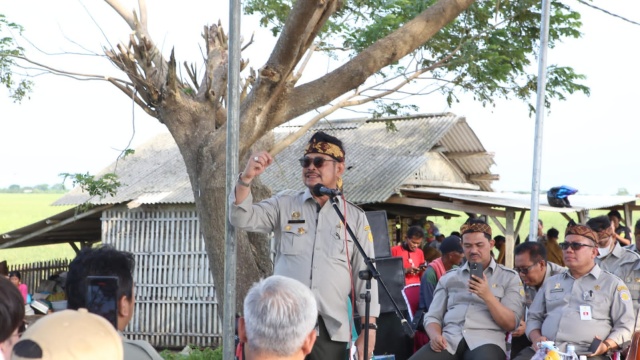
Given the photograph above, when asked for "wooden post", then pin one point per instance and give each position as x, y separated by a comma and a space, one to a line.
510, 242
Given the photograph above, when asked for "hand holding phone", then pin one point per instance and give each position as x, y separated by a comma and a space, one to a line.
595, 344
475, 269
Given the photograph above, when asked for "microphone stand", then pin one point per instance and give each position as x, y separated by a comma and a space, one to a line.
367, 275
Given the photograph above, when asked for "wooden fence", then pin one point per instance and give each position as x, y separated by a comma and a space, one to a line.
32, 274
174, 292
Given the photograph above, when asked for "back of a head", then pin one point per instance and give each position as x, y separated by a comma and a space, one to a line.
537, 252
599, 223
279, 313
553, 233
100, 261
11, 308
637, 227
69, 334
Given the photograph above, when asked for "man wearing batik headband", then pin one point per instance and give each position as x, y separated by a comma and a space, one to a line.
581, 303
312, 244
469, 316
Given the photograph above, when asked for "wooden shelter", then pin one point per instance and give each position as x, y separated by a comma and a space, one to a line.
430, 162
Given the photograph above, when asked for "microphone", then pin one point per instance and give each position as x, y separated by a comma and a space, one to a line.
321, 190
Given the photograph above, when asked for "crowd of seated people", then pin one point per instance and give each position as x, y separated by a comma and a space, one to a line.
590, 290
470, 305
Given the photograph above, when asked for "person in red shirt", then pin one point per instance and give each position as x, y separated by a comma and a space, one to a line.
412, 256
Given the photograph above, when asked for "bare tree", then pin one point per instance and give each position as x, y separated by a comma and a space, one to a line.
194, 109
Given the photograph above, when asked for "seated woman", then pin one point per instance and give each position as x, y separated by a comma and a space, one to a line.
16, 279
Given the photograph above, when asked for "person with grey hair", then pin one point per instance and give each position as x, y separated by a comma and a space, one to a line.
279, 321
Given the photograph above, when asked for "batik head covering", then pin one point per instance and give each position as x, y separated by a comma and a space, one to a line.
323, 143
582, 230
471, 227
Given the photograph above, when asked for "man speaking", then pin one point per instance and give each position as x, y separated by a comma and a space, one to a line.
311, 242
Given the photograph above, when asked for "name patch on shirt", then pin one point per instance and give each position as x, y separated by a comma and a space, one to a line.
556, 290
295, 222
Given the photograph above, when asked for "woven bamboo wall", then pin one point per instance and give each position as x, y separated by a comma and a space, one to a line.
174, 292
33, 273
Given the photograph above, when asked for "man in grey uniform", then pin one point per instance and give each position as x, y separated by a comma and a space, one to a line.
636, 233
614, 258
582, 303
470, 315
532, 266
312, 245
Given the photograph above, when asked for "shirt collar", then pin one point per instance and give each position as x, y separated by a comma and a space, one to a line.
595, 272
617, 250
492, 266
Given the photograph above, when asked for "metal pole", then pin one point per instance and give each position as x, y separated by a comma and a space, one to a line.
233, 127
537, 151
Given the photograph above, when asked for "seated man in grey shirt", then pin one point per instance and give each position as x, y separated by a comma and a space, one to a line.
584, 302
471, 314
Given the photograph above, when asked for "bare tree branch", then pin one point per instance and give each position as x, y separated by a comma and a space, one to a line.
124, 14
382, 53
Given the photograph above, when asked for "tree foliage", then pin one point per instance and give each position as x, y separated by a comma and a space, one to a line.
488, 51
17, 88
485, 48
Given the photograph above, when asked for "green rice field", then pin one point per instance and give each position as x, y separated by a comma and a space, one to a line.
18, 210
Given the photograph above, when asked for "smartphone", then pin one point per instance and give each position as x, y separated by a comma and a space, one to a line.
102, 297
595, 344
475, 269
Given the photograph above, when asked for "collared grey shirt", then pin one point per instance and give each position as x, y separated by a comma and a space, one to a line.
310, 247
462, 314
557, 313
531, 291
621, 262
138, 350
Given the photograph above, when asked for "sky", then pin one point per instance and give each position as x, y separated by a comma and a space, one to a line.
70, 126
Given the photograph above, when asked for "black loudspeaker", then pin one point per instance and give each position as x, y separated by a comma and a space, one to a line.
391, 339
380, 231
392, 274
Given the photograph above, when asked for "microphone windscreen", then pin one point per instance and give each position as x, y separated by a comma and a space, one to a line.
316, 190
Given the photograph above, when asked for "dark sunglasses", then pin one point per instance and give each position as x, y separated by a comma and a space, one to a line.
524, 270
575, 246
317, 161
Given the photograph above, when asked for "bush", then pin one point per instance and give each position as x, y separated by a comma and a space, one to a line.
196, 354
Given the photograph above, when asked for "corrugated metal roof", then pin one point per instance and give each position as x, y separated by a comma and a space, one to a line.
462, 139
378, 161
154, 174
523, 201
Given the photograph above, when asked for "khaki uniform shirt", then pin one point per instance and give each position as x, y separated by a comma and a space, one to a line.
531, 291
310, 247
462, 314
621, 262
557, 313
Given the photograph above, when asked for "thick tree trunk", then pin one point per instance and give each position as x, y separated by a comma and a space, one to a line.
197, 122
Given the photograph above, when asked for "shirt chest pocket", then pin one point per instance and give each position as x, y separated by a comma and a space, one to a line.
497, 291
339, 248
293, 239
555, 296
